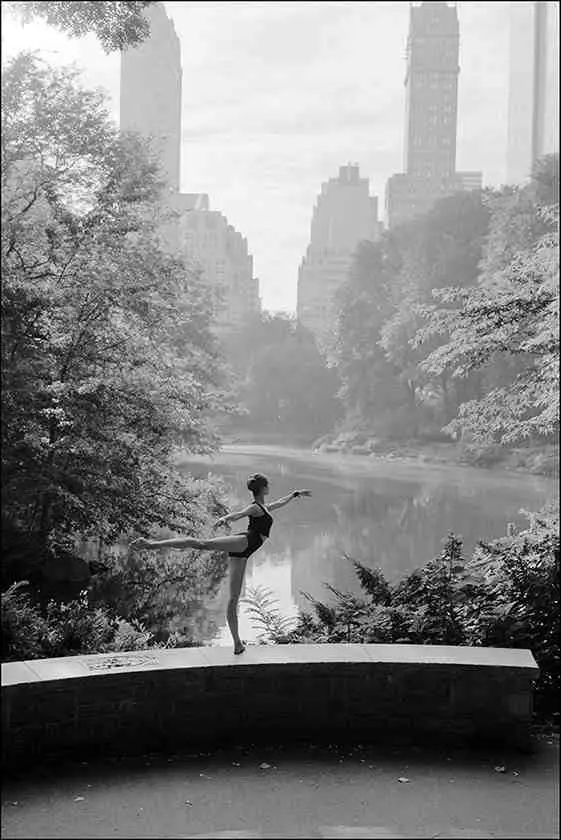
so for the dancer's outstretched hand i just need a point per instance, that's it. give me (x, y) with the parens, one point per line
(220, 522)
(140, 543)
(304, 493)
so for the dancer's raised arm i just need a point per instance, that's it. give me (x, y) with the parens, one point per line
(284, 500)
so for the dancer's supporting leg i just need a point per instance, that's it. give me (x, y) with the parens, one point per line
(237, 572)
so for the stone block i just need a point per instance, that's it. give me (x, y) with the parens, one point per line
(18, 673)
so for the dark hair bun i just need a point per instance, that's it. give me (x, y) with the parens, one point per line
(256, 482)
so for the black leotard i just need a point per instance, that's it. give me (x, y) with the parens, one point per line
(261, 524)
(259, 528)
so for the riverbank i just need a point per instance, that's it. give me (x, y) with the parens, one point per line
(542, 460)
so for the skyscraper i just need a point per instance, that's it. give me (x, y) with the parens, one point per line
(213, 245)
(344, 214)
(151, 79)
(431, 91)
(533, 102)
(431, 114)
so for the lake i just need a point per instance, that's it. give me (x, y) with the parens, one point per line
(386, 514)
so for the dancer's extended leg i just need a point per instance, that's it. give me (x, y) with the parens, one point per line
(237, 571)
(235, 543)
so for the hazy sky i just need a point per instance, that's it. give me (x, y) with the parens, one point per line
(278, 95)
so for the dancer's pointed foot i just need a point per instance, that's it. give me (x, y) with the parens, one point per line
(239, 648)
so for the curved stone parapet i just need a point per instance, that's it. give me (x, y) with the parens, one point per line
(167, 699)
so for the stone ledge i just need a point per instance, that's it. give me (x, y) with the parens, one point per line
(68, 667)
(131, 701)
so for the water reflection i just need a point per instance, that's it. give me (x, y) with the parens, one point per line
(392, 516)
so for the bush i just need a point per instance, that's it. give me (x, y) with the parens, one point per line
(62, 629)
(505, 595)
(24, 629)
(483, 454)
(518, 603)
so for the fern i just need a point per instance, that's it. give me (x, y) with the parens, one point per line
(265, 614)
(373, 583)
(326, 615)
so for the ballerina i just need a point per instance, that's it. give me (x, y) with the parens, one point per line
(239, 546)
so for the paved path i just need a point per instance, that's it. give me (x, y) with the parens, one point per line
(310, 792)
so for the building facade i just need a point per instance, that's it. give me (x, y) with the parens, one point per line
(344, 215)
(207, 240)
(533, 103)
(151, 80)
(150, 84)
(431, 115)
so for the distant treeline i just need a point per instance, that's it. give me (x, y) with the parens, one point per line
(446, 329)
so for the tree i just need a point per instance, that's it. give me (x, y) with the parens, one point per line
(117, 25)
(108, 360)
(515, 316)
(284, 383)
(370, 388)
(506, 327)
(440, 248)
(516, 218)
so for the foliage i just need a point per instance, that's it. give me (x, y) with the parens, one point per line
(165, 592)
(505, 595)
(372, 581)
(516, 219)
(284, 384)
(449, 323)
(108, 360)
(370, 389)
(517, 585)
(515, 315)
(380, 367)
(265, 615)
(117, 25)
(440, 248)
(61, 629)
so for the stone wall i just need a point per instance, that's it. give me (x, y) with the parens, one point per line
(152, 700)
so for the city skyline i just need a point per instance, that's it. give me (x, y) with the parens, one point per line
(278, 95)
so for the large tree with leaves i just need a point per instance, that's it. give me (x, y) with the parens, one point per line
(439, 249)
(371, 390)
(515, 317)
(507, 326)
(117, 25)
(108, 360)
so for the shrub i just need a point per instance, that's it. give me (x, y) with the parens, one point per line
(482, 454)
(62, 629)
(505, 595)
(23, 627)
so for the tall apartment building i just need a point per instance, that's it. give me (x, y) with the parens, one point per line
(206, 239)
(431, 115)
(151, 79)
(344, 215)
(533, 103)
